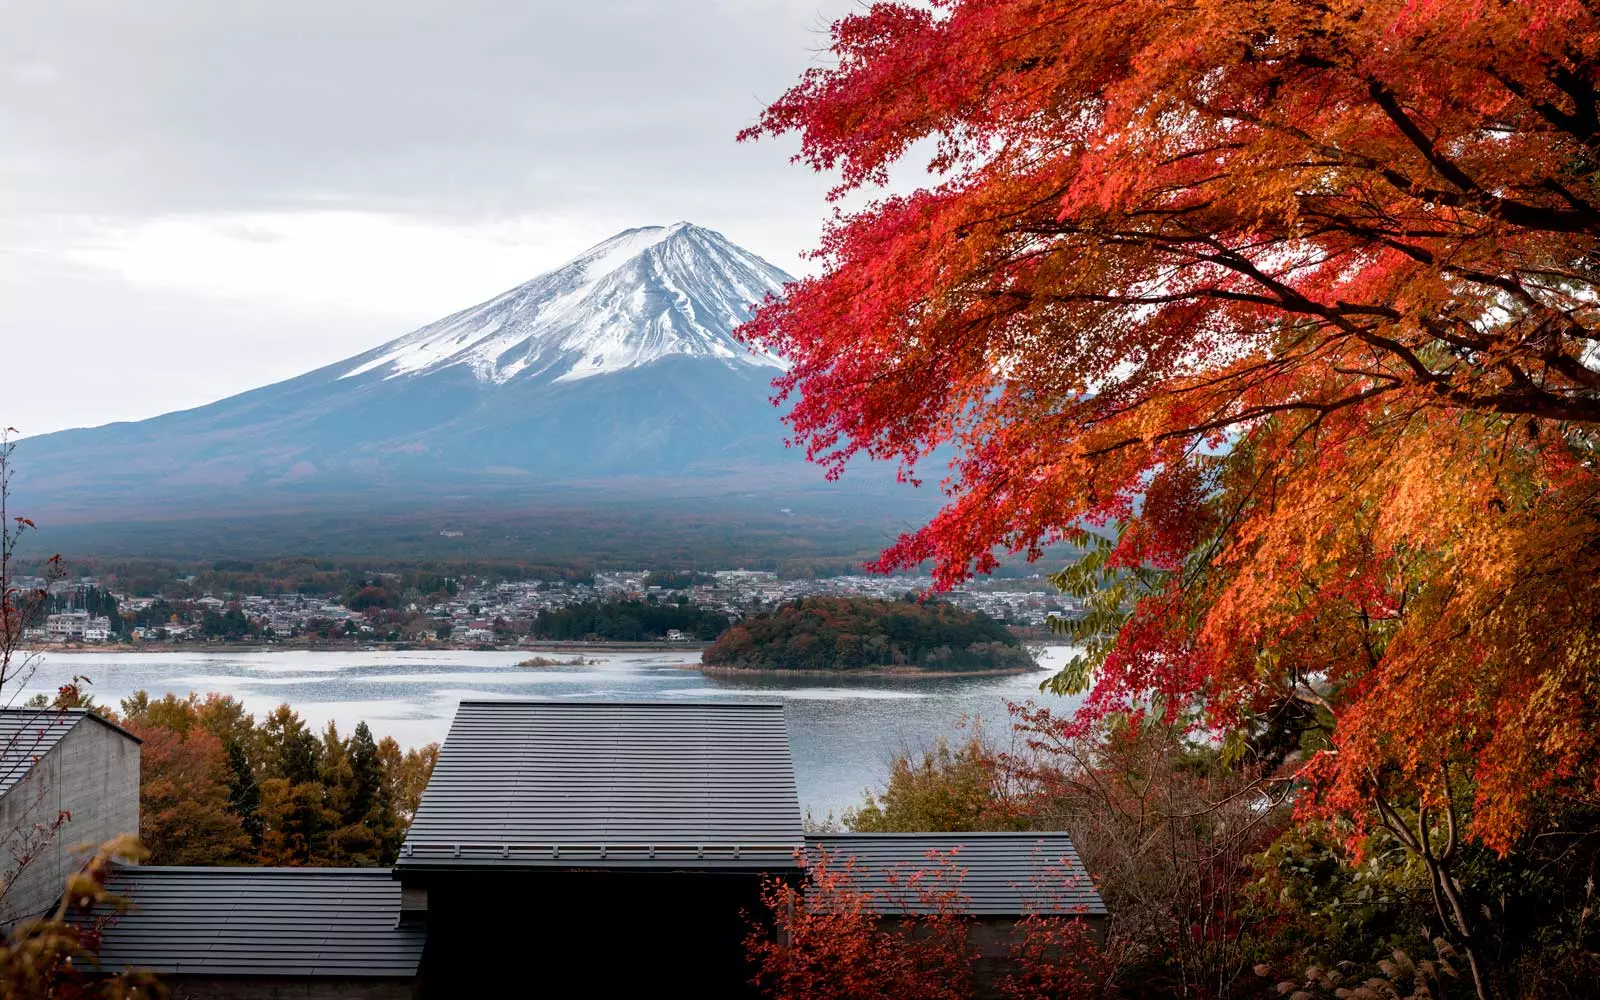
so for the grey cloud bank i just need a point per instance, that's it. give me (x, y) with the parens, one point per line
(197, 198)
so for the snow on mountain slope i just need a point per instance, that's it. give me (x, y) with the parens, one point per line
(643, 295)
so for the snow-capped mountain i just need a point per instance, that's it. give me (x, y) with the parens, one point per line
(617, 373)
(641, 296)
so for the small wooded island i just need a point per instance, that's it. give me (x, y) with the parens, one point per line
(834, 634)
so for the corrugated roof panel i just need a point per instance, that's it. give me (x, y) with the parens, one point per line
(27, 734)
(611, 783)
(1002, 874)
(337, 922)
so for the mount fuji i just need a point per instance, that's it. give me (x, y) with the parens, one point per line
(615, 375)
(643, 296)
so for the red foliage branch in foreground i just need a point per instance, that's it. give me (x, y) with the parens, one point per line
(1304, 298)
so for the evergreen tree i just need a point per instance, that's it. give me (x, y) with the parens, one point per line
(293, 822)
(244, 795)
(291, 750)
(366, 773)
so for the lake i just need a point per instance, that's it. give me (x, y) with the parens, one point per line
(843, 731)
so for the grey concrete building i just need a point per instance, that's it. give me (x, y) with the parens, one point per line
(554, 830)
(69, 782)
(564, 848)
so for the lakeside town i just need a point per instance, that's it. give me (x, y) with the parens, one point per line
(475, 613)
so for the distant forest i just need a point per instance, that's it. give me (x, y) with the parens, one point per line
(586, 538)
(310, 576)
(628, 621)
(846, 633)
(177, 579)
(183, 575)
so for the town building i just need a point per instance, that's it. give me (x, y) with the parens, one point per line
(653, 823)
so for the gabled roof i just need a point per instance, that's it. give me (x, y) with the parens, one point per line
(1004, 874)
(583, 784)
(27, 734)
(334, 922)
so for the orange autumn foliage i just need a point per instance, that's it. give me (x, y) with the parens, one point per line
(183, 799)
(1303, 296)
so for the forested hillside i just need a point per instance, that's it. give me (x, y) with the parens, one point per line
(844, 633)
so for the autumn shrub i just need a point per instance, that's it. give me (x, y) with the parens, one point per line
(948, 788)
(828, 937)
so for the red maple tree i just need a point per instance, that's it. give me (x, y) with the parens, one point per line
(1299, 298)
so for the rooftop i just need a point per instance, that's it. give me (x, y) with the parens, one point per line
(610, 784)
(1002, 874)
(261, 922)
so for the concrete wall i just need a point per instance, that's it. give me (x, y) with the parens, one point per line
(92, 774)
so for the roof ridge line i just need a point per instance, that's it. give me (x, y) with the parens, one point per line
(925, 834)
(255, 869)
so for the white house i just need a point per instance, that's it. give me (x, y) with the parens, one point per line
(66, 625)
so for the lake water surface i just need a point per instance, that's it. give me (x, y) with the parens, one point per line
(843, 732)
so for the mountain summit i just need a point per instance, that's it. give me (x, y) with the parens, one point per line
(641, 296)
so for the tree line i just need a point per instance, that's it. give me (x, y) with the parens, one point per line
(220, 787)
(628, 621)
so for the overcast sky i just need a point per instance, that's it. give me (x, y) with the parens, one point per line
(200, 197)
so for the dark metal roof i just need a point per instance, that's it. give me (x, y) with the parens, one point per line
(610, 784)
(1003, 874)
(27, 734)
(333, 922)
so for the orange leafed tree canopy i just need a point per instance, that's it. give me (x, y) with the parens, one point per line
(1301, 295)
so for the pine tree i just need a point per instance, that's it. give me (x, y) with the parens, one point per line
(244, 795)
(292, 752)
(367, 774)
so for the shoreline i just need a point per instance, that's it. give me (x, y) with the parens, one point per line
(553, 646)
(570, 647)
(879, 673)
